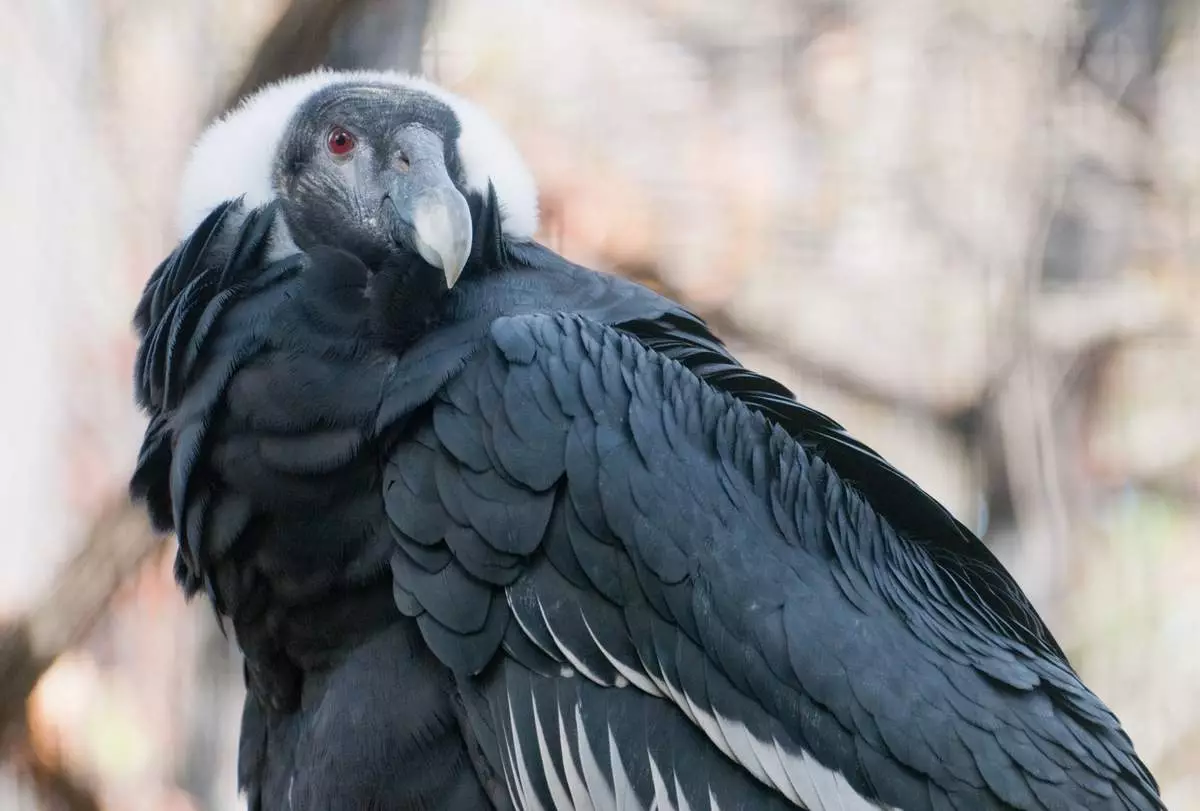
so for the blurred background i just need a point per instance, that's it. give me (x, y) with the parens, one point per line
(967, 229)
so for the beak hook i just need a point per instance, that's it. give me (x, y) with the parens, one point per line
(442, 230)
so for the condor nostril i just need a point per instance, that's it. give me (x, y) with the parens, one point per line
(401, 162)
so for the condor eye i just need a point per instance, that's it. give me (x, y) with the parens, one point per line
(340, 142)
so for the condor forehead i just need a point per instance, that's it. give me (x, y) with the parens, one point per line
(237, 156)
(377, 109)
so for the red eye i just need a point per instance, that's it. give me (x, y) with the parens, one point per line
(340, 142)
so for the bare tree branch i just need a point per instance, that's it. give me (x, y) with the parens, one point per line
(340, 33)
(298, 42)
(57, 787)
(118, 542)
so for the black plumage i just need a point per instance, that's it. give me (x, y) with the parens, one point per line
(546, 544)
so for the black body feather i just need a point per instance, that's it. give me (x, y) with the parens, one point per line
(546, 544)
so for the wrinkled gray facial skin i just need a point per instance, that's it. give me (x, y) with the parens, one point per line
(400, 188)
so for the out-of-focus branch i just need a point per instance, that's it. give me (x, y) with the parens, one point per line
(1068, 325)
(58, 789)
(118, 542)
(341, 34)
(298, 42)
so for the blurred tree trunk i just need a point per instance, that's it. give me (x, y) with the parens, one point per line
(342, 34)
(119, 542)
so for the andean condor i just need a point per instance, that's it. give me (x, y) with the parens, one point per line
(494, 530)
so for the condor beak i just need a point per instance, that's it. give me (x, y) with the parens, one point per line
(442, 226)
(427, 212)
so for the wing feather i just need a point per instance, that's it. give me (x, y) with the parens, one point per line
(670, 542)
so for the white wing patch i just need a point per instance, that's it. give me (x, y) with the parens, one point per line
(575, 777)
(626, 797)
(630, 675)
(794, 774)
(598, 788)
(684, 805)
(520, 786)
(570, 656)
(580, 799)
(561, 762)
(560, 793)
(775, 762)
(661, 797)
